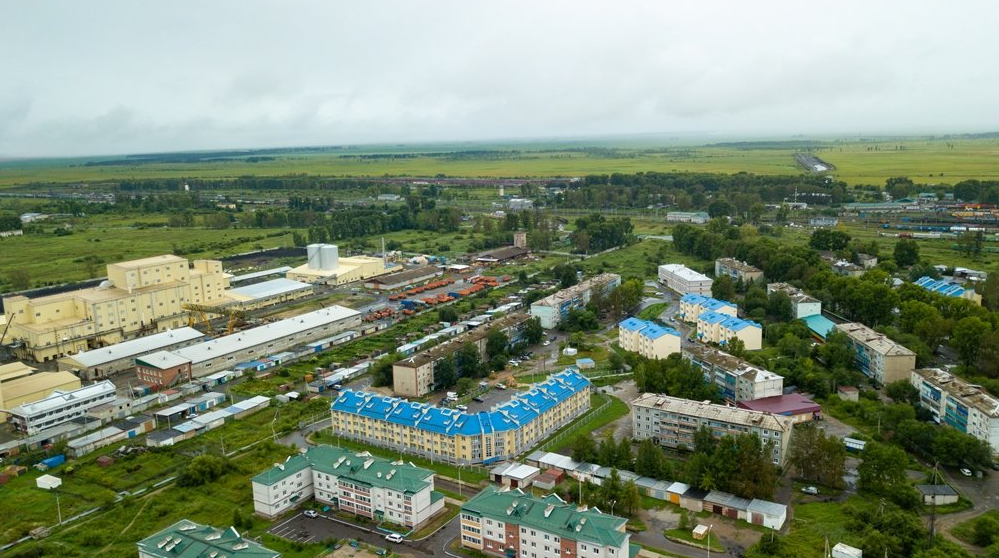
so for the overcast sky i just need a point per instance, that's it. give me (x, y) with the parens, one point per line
(100, 77)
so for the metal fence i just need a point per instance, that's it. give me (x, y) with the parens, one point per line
(577, 425)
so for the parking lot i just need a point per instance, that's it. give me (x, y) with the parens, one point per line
(300, 528)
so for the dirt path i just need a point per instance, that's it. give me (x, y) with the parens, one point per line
(145, 503)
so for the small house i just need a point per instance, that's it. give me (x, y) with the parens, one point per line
(939, 494)
(842, 550)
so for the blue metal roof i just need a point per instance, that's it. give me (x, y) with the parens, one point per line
(520, 410)
(945, 288)
(738, 324)
(713, 317)
(633, 324)
(715, 304)
(655, 331)
(819, 324)
(692, 298)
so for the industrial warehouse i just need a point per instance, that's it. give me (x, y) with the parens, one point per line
(458, 437)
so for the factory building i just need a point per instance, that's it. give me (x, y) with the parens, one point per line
(20, 383)
(737, 380)
(672, 422)
(413, 376)
(358, 483)
(403, 279)
(267, 293)
(683, 280)
(139, 297)
(552, 309)
(108, 361)
(457, 437)
(324, 265)
(230, 350)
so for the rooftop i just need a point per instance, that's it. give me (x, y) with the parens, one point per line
(261, 335)
(684, 272)
(406, 276)
(515, 470)
(875, 341)
(797, 295)
(161, 360)
(572, 292)
(550, 514)
(711, 411)
(26, 385)
(940, 286)
(60, 398)
(787, 405)
(971, 394)
(737, 265)
(504, 253)
(258, 274)
(187, 539)
(819, 324)
(267, 289)
(729, 363)
(135, 347)
(451, 345)
(646, 328)
(936, 490)
(726, 321)
(361, 468)
(523, 408)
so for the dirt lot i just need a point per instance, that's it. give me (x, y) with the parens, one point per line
(625, 391)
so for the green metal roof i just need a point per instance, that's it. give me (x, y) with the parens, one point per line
(187, 539)
(361, 468)
(550, 514)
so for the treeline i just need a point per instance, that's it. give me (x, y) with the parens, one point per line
(595, 233)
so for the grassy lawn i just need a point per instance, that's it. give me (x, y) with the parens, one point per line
(450, 510)
(652, 311)
(815, 521)
(961, 505)
(965, 531)
(685, 535)
(591, 421)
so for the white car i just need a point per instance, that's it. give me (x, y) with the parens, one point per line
(394, 538)
(310, 513)
(546, 343)
(810, 490)
(462, 408)
(966, 472)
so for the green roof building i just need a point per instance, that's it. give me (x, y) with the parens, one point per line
(360, 483)
(512, 524)
(187, 539)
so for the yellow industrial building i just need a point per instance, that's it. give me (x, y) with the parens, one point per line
(20, 383)
(325, 266)
(140, 296)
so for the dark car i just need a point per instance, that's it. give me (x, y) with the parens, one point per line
(478, 399)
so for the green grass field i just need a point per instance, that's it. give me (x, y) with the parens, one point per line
(857, 161)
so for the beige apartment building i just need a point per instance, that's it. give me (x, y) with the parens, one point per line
(138, 297)
(878, 357)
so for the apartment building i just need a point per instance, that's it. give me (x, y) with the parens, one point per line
(414, 375)
(187, 539)
(721, 329)
(648, 339)
(552, 309)
(59, 407)
(879, 358)
(693, 305)
(737, 380)
(803, 304)
(694, 217)
(138, 297)
(672, 422)
(359, 483)
(955, 402)
(737, 270)
(682, 280)
(510, 524)
(449, 435)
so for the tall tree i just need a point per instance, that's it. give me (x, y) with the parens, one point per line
(723, 288)
(906, 252)
(882, 468)
(967, 336)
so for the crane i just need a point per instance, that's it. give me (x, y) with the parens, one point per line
(236, 315)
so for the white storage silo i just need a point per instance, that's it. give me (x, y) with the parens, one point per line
(329, 257)
(313, 251)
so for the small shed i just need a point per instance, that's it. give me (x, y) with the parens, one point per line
(766, 513)
(842, 550)
(105, 461)
(569, 351)
(728, 505)
(545, 481)
(585, 363)
(848, 393)
(48, 482)
(514, 475)
(652, 488)
(939, 494)
(700, 532)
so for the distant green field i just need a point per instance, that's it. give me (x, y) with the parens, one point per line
(868, 161)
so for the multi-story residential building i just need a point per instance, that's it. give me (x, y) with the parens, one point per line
(138, 297)
(695, 217)
(682, 280)
(414, 375)
(803, 304)
(737, 270)
(955, 402)
(715, 327)
(648, 339)
(672, 422)
(552, 309)
(737, 380)
(693, 305)
(948, 288)
(187, 539)
(457, 437)
(394, 491)
(510, 524)
(879, 358)
(59, 407)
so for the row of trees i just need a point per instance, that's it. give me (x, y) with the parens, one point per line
(595, 233)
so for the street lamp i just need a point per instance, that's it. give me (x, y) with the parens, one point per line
(709, 539)
(613, 503)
